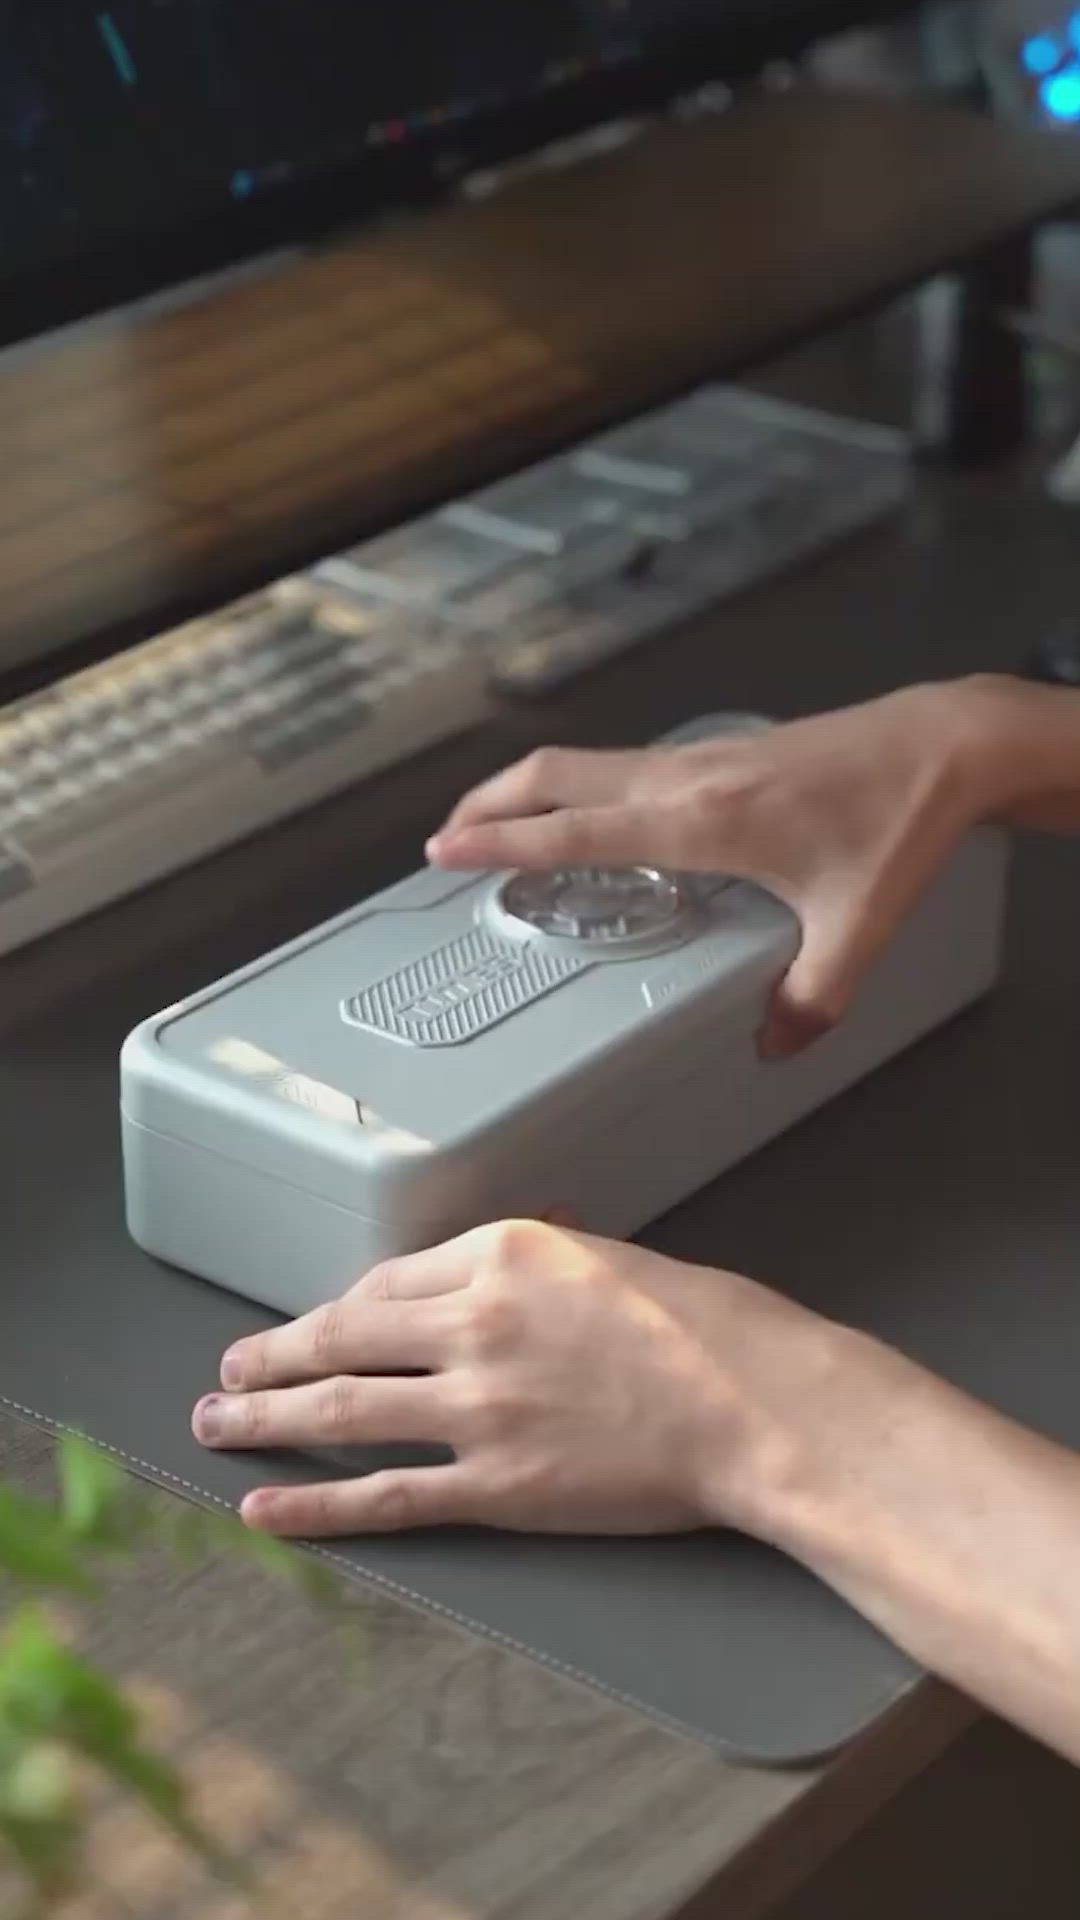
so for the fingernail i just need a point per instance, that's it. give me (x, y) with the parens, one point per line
(209, 1424)
(449, 848)
(258, 1508)
(232, 1371)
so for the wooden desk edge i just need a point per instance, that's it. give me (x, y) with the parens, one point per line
(839, 1800)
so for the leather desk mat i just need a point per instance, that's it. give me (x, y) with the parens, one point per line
(938, 1204)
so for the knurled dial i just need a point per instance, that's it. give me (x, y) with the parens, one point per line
(596, 906)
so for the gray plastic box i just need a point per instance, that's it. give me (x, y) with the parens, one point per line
(468, 1048)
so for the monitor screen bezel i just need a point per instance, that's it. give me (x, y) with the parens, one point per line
(393, 180)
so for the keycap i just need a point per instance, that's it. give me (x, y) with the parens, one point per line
(122, 806)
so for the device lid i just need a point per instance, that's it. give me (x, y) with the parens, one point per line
(203, 1074)
(384, 1058)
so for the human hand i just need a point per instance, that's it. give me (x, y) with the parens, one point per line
(589, 1388)
(846, 817)
(581, 1386)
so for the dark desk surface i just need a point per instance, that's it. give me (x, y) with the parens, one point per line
(149, 469)
(460, 1782)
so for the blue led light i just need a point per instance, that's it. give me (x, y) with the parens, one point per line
(118, 50)
(1040, 54)
(1060, 95)
(1074, 30)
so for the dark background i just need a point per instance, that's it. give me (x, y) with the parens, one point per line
(149, 140)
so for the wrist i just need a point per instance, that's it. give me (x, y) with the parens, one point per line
(778, 1414)
(1011, 744)
(819, 1424)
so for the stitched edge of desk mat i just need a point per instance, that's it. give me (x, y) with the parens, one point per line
(362, 1576)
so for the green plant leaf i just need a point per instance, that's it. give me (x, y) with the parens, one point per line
(45, 1850)
(96, 1500)
(37, 1786)
(35, 1547)
(291, 1564)
(185, 1531)
(53, 1705)
(49, 1694)
(197, 1532)
(40, 1818)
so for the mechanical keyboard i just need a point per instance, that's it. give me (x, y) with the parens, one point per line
(573, 561)
(121, 774)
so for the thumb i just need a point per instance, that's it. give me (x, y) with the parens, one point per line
(816, 992)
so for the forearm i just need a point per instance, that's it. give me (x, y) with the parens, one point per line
(953, 1530)
(1020, 744)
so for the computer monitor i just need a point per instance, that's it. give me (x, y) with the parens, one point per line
(144, 142)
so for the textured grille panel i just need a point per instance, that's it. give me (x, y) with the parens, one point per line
(460, 990)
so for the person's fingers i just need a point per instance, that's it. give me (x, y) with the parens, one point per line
(814, 995)
(790, 1030)
(350, 1335)
(395, 1501)
(554, 777)
(443, 1270)
(433, 1275)
(591, 837)
(339, 1412)
(389, 1322)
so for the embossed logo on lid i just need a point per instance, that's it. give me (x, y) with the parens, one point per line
(460, 990)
